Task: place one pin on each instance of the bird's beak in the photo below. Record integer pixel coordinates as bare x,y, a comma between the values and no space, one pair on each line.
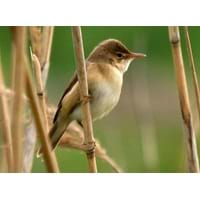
137,55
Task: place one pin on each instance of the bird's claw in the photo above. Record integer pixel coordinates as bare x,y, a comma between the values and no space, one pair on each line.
87,98
90,148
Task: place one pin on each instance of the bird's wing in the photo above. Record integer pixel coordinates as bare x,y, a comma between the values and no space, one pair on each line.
72,82
69,101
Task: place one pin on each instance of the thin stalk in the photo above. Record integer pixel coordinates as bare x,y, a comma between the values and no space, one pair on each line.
192,155
41,42
194,73
6,124
83,85
36,40
40,89
41,94
47,39
19,46
30,132
50,161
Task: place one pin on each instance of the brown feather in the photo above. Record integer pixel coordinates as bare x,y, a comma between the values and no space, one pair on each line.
71,83
69,87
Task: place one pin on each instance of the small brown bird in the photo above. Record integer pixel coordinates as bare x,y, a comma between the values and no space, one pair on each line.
105,68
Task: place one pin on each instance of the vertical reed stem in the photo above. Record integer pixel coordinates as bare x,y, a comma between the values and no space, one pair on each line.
6,124
19,47
83,85
194,73
192,156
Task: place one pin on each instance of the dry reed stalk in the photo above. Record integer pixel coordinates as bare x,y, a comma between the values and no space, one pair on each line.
50,161
41,42
30,132
40,89
36,40
6,124
41,94
194,73
19,48
47,39
10,94
192,155
83,85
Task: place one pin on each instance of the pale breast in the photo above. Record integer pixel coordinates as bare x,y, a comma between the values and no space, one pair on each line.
105,92
105,99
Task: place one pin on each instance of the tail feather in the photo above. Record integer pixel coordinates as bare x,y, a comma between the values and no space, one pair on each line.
55,134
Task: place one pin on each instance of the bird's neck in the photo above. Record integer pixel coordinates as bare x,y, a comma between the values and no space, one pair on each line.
110,73
123,66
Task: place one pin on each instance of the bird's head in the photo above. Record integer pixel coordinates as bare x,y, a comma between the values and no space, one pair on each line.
112,51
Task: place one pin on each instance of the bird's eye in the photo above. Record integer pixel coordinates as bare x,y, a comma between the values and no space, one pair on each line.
119,55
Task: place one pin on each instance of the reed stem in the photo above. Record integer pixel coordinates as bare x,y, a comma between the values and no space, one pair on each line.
83,85
50,161
19,48
47,39
192,155
41,42
194,73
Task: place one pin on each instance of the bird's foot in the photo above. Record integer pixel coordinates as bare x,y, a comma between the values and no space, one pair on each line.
90,148
87,98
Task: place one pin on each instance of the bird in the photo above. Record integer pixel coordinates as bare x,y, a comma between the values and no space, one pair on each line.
105,67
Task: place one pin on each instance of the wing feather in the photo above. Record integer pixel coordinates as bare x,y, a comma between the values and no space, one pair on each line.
70,86
72,82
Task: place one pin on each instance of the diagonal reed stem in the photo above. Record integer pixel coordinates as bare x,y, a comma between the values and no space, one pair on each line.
6,123
40,89
194,73
50,161
83,85
192,156
41,42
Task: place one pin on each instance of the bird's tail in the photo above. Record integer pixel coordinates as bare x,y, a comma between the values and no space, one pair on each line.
55,134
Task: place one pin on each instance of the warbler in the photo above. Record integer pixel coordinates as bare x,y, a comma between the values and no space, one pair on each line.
105,67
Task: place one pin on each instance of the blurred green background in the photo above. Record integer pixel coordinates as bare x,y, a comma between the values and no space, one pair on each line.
144,132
